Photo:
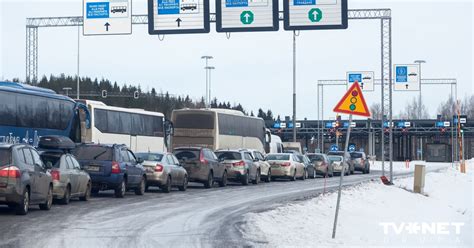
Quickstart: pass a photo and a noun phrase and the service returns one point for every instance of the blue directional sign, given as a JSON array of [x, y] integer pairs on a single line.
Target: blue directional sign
[[168, 7], [276, 125], [352, 148], [440, 124], [401, 124], [328, 124], [334, 148], [304, 2], [401, 74], [355, 77], [236, 3], [97, 10]]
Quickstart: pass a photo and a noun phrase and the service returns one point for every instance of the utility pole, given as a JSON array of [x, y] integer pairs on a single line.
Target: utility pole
[[294, 86], [210, 68], [67, 89], [207, 58], [78, 58], [419, 62]]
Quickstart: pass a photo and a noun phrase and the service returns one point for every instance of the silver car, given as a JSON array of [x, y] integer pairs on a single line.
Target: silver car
[[164, 170], [338, 163], [240, 166], [265, 168], [69, 180]]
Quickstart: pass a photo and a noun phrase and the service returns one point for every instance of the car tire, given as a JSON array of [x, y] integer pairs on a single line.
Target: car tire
[[94, 191], [49, 200], [87, 194], [120, 190], [185, 184], [269, 176], [210, 180], [66, 196], [167, 187], [293, 178], [223, 181], [245, 179], [257, 177], [22, 209], [141, 188]]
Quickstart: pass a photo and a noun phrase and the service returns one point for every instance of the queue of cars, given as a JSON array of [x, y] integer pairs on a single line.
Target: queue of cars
[[59, 169]]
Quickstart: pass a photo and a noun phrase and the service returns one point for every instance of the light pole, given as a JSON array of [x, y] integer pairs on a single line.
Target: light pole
[[294, 86], [419, 62], [67, 89], [78, 20], [207, 58], [209, 68]]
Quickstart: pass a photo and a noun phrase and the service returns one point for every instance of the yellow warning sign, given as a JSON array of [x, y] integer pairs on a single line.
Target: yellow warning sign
[[353, 102]]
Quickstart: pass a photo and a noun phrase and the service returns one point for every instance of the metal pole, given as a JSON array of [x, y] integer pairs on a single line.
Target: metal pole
[[294, 86], [319, 119], [340, 179], [208, 103], [390, 136], [322, 118], [78, 59], [382, 136]]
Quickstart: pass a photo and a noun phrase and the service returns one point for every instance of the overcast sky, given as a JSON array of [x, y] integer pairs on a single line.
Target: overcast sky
[[254, 69]]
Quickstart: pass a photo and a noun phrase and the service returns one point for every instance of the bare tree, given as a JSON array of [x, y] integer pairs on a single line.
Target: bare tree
[[412, 111], [447, 109], [376, 111]]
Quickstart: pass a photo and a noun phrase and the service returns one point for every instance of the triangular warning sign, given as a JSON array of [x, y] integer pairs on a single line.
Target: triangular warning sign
[[353, 102]]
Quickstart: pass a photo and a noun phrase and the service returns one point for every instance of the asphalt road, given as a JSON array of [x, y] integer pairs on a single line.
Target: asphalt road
[[196, 218]]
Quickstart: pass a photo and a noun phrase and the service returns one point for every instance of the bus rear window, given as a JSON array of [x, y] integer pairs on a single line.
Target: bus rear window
[[194, 120], [94, 153], [5, 157]]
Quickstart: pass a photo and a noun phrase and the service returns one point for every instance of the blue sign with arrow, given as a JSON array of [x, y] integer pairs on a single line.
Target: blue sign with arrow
[[401, 74], [334, 148], [355, 77], [352, 148]]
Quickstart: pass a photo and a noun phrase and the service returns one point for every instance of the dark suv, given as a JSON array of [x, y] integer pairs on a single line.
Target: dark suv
[[24, 180], [202, 165], [112, 167]]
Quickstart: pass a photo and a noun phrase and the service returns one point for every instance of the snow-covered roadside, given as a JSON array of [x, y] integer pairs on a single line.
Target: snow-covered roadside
[[373, 214], [403, 166]]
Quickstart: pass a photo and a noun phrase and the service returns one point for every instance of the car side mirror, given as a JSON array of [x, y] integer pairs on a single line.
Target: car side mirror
[[256, 160], [140, 160]]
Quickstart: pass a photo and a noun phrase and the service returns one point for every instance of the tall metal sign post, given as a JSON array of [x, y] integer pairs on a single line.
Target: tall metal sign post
[[353, 103]]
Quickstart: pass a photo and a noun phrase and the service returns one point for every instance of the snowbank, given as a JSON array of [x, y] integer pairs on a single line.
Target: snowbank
[[373, 214], [403, 166]]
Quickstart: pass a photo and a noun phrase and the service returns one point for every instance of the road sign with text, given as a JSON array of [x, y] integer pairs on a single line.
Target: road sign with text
[[364, 78], [407, 77], [107, 17], [353, 102], [178, 16], [246, 15], [315, 14]]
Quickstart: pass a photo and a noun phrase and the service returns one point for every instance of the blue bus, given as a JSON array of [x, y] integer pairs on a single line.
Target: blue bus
[[28, 112]]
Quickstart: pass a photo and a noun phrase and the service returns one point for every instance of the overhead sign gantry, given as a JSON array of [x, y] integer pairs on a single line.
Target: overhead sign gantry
[[315, 14], [107, 17], [246, 15]]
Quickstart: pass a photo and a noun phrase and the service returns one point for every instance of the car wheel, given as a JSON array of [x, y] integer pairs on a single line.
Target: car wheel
[[185, 184], [210, 181], [141, 188], [87, 194], [67, 196], [223, 181], [269, 176], [95, 191], [49, 200], [167, 187], [245, 179], [22, 209], [120, 190], [293, 178], [257, 178]]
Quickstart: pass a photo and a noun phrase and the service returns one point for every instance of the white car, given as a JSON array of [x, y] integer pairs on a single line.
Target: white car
[[337, 162]]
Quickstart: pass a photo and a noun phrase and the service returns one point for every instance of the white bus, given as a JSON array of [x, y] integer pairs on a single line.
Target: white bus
[[140, 130], [219, 129]]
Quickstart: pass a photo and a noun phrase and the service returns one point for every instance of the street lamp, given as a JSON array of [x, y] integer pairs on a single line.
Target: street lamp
[[209, 68], [207, 58], [419, 62], [78, 21], [67, 89]]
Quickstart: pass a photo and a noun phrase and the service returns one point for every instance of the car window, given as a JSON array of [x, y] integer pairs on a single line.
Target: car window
[[124, 155], [229, 155], [132, 157], [75, 163], [94, 153], [5, 157], [335, 158], [248, 156], [150, 156], [278, 157], [176, 161], [36, 157], [50, 160], [356, 155], [208, 154], [186, 154], [70, 164], [28, 156], [169, 159]]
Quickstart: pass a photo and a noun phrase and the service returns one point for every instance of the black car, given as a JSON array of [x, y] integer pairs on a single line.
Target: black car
[[24, 180], [112, 167]]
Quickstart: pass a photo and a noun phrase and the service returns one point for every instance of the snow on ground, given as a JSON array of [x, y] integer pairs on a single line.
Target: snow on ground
[[403, 166], [373, 214]]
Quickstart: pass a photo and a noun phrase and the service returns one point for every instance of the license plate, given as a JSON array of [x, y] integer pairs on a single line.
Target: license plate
[[93, 168]]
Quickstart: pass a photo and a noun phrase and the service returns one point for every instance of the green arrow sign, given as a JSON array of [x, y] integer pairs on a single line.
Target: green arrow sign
[[246, 17], [315, 15]]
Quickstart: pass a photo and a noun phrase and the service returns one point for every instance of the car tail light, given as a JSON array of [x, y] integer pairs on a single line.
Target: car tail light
[[202, 159], [55, 175], [286, 164], [115, 168], [159, 168], [10, 172], [240, 163]]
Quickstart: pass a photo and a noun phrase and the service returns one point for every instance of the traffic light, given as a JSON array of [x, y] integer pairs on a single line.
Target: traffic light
[[338, 122], [104, 94]]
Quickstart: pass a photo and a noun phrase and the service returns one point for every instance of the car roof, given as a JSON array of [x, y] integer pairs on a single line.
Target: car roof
[[9, 145], [189, 148], [238, 151], [101, 145], [155, 153]]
